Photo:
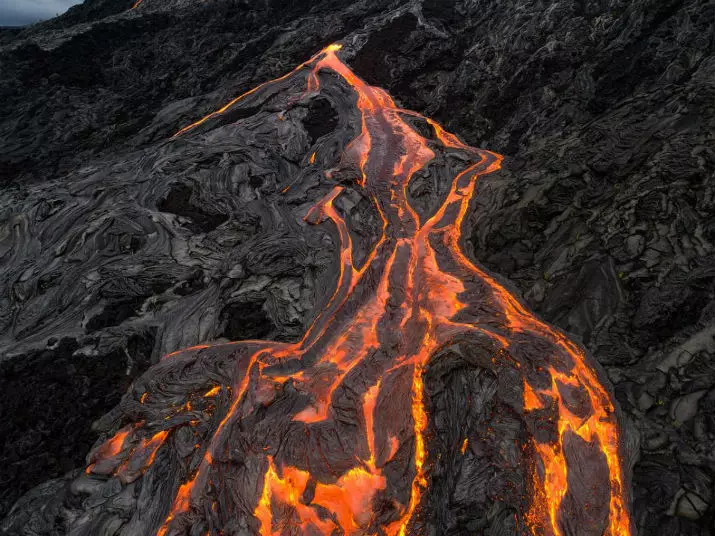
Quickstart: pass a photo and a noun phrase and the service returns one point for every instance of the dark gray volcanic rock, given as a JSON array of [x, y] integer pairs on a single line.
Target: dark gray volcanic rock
[[116, 251], [400, 325]]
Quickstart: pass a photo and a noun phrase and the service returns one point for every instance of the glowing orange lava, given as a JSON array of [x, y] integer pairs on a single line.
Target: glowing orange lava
[[416, 295]]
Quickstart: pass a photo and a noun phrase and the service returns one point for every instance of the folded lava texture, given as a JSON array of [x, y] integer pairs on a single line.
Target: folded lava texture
[[309, 312], [423, 397]]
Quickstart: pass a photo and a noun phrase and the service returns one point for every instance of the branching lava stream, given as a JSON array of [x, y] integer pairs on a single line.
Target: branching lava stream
[[415, 294]]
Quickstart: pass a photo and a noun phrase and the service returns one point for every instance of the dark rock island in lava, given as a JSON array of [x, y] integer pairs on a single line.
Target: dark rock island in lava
[[423, 398]]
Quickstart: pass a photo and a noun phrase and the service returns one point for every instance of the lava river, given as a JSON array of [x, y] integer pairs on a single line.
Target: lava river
[[260, 466]]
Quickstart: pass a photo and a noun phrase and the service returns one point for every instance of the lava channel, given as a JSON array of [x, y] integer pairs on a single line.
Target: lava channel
[[414, 295]]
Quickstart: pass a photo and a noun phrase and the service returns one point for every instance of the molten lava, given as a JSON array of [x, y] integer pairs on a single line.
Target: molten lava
[[413, 296]]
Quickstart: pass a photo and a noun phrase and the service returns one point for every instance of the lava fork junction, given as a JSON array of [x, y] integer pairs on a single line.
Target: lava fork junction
[[422, 399]]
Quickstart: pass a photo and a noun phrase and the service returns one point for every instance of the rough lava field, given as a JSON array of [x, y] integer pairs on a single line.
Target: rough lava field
[[442, 268]]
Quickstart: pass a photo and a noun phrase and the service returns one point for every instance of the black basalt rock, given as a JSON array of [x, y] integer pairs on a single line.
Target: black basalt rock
[[118, 246]]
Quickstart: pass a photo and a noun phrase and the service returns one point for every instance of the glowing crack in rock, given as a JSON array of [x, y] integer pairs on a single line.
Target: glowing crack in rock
[[415, 294]]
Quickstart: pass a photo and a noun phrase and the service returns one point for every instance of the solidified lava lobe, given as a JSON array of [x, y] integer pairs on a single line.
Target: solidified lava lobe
[[414, 295]]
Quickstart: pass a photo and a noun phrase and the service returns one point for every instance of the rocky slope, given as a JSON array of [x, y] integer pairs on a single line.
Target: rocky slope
[[602, 216]]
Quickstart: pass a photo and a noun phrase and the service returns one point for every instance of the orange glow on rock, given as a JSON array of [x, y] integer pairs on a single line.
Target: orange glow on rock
[[110, 448], [348, 500], [369, 412], [212, 392], [531, 400], [141, 457], [114, 445], [412, 295]]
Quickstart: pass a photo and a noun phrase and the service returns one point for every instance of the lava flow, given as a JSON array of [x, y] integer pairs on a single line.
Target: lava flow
[[266, 465]]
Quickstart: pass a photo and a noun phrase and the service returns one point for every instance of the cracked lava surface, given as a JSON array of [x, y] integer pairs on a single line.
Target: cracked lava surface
[[261, 459]]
